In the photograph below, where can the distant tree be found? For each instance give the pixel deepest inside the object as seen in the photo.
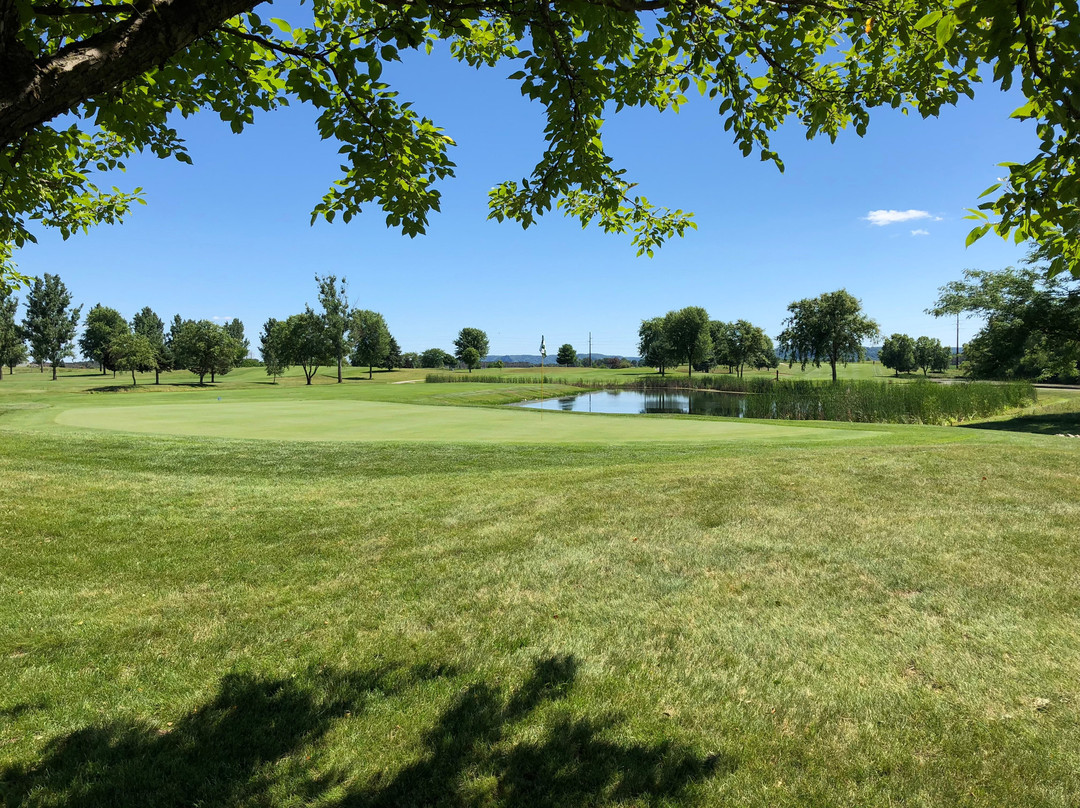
(471, 338)
(653, 345)
(688, 334)
(15, 356)
(829, 328)
(720, 334)
(103, 325)
(450, 362)
(566, 356)
(369, 338)
(305, 342)
(498, 364)
(336, 314)
(9, 329)
(149, 325)
(235, 329)
(270, 347)
(747, 345)
(928, 354)
(898, 354)
(393, 358)
(410, 359)
(50, 323)
(203, 347)
(432, 358)
(132, 352)
(471, 358)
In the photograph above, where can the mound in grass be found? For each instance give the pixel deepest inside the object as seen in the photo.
(376, 421)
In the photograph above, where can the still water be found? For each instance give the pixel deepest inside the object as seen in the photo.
(647, 401)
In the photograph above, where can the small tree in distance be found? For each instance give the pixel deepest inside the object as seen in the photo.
(566, 356)
(471, 357)
(828, 328)
(49, 324)
(370, 339)
(133, 352)
(898, 353)
(270, 346)
(471, 338)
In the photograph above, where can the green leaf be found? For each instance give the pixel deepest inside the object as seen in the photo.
(946, 27)
(928, 20)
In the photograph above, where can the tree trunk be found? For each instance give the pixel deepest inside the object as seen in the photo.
(54, 371)
(370, 367)
(157, 375)
(201, 377)
(133, 382)
(832, 363)
(213, 375)
(339, 370)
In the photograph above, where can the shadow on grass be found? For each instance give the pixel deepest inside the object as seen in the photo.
(249, 743)
(1055, 423)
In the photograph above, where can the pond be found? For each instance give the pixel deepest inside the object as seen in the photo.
(636, 402)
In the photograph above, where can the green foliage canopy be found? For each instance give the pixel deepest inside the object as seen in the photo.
(828, 328)
(370, 339)
(49, 325)
(687, 332)
(103, 325)
(898, 354)
(132, 352)
(471, 338)
(566, 355)
(85, 85)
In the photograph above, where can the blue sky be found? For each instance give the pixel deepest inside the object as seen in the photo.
(229, 236)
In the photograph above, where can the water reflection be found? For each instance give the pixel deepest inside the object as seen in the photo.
(636, 402)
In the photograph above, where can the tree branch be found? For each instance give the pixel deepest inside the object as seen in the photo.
(97, 64)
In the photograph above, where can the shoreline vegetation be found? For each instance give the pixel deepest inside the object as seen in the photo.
(855, 400)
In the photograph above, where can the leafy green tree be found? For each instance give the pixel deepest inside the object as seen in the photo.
(305, 342)
(132, 352)
(471, 358)
(103, 325)
(654, 347)
(149, 325)
(688, 334)
(336, 312)
(746, 344)
(393, 358)
(470, 338)
(270, 347)
(898, 353)
(434, 358)
(410, 359)
(235, 329)
(9, 329)
(828, 328)
(15, 355)
(928, 353)
(822, 64)
(1032, 328)
(720, 335)
(203, 347)
(566, 355)
(50, 323)
(369, 338)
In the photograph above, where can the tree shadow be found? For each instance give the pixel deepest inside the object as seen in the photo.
(1055, 423)
(489, 747)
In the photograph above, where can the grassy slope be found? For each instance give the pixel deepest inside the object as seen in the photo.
(887, 620)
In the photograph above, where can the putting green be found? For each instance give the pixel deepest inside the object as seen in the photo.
(318, 420)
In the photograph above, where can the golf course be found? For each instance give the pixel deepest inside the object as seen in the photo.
(376, 594)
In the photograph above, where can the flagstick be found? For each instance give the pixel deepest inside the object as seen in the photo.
(541, 386)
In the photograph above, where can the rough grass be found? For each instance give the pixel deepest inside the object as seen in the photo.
(888, 620)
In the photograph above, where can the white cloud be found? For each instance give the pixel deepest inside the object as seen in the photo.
(226, 317)
(884, 217)
(920, 232)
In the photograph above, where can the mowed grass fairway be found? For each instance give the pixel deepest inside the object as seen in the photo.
(888, 617)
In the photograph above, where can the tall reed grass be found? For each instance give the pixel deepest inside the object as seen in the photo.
(866, 401)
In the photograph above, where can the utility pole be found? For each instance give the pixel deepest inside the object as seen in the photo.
(590, 349)
(958, 340)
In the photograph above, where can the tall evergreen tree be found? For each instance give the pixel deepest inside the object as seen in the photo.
(50, 323)
(393, 358)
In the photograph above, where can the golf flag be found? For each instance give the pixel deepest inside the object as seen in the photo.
(543, 349)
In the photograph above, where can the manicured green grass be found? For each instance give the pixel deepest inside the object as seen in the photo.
(890, 617)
